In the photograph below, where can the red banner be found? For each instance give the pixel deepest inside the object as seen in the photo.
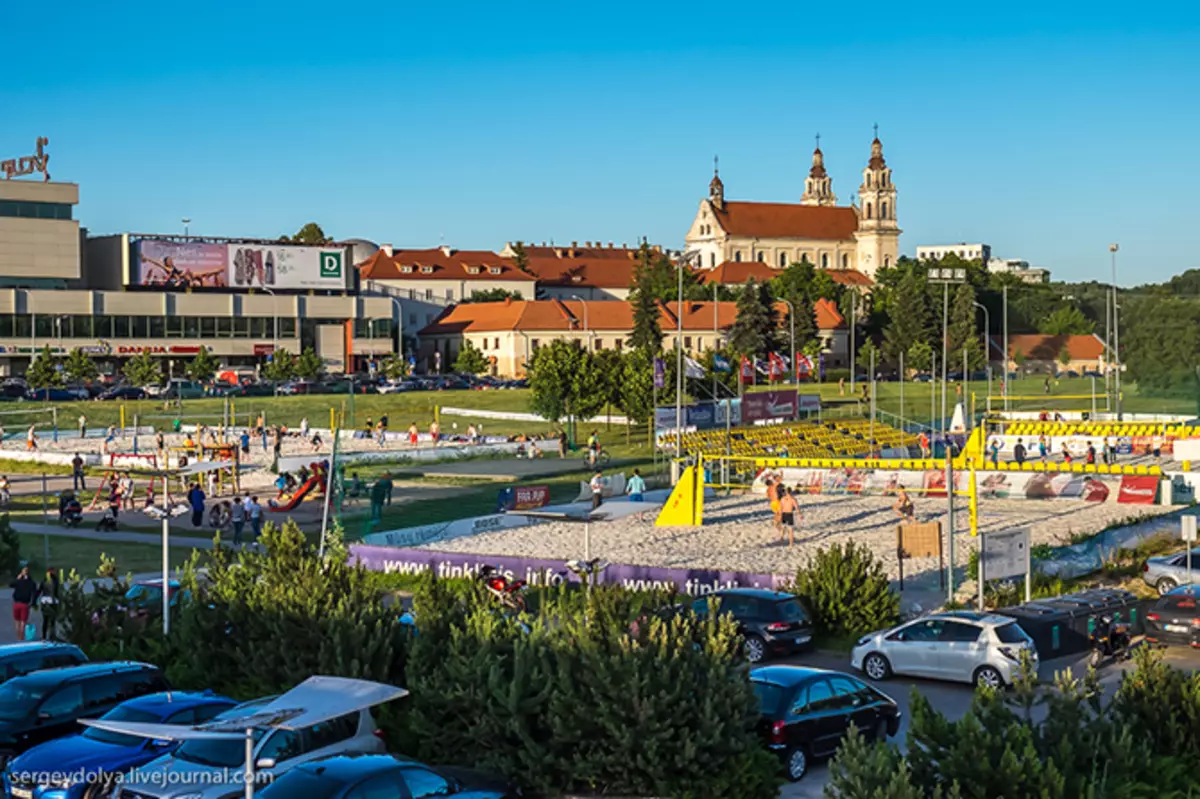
(1138, 490)
(747, 370)
(524, 498)
(804, 367)
(775, 367)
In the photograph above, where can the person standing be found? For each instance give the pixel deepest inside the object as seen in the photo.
(196, 501)
(597, 485)
(277, 441)
(31, 438)
(127, 490)
(435, 431)
(160, 442)
(995, 448)
(1066, 453)
(1043, 448)
(773, 487)
(1019, 452)
(562, 443)
(304, 427)
(788, 508)
(24, 595)
(471, 433)
(82, 426)
(1091, 454)
(379, 493)
(412, 434)
(77, 473)
(636, 486)
(255, 516)
(380, 434)
(237, 517)
(48, 602)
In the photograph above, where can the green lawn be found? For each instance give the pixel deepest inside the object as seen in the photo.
(83, 554)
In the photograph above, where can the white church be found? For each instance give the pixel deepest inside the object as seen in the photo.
(862, 237)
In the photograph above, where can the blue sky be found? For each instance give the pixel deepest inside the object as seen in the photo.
(1046, 130)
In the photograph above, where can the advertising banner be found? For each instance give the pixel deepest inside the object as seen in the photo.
(760, 405)
(810, 403)
(523, 498)
(660, 373)
(536, 571)
(701, 417)
(194, 264)
(1138, 489)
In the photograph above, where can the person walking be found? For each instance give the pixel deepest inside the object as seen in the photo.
(1091, 455)
(379, 494)
(277, 442)
(597, 485)
(380, 434)
(923, 443)
(24, 595)
(82, 426)
(237, 518)
(255, 516)
(31, 438)
(48, 599)
(244, 440)
(636, 486)
(1066, 453)
(1043, 448)
(127, 490)
(77, 473)
(435, 431)
(1019, 452)
(995, 450)
(562, 443)
(196, 499)
(412, 434)
(773, 487)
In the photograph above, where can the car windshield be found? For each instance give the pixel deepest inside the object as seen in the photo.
(792, 610)
(1011, 634)
(216, 752)
(19, 697)
(301, 782)
(770, 697)
(120, 738)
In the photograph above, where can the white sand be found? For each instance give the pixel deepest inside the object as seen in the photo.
(738, 532)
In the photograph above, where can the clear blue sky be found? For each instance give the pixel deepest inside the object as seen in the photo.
(1046, 131)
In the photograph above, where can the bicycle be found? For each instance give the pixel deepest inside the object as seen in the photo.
(601, 459)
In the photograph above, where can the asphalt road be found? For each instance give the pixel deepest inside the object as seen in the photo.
(953, 700)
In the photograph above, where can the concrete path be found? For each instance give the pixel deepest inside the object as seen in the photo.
(153, 539)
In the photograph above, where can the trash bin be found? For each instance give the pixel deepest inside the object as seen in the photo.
(1050, 628)
(1063, 625)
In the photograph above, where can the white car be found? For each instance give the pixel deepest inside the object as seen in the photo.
(962, 646)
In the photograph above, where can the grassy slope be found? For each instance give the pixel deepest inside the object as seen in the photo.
(83, 554)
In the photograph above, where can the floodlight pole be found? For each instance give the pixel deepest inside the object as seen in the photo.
(166, 562)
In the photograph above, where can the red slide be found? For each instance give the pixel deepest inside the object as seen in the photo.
(312, 482)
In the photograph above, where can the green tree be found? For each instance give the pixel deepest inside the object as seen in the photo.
(865, 352)
(919, 357)
(470, 361)
(1064, 356)
(492, 295)
(610, 367)
(311, 233)
(847, 591)
(637, 389)
(43, 372)
(564, 383)
(309, 366)
(908, 319)
(78, 367)
(806, 323)
(753, 331)
(203, 366)
(281, 368)
(394, 367)
(1066, 320)
(963, 333)
(647, 325)
(141, 370)
(520, 259)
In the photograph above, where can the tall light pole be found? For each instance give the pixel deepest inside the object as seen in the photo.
(187, 220)
(792, 324)
(1116, 328)
(946, 276)
(1004, 379)
(987, 347)
(275, 339)
(586, 336)
(683, 262)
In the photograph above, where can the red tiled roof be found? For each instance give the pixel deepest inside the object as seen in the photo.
(438, 264)
(788, 220)
(731, 273)
(1040, 347)
(591, 271)
(850, 277)
(828, 315)
(607, 253)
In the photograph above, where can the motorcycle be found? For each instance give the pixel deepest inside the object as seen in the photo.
(72, 514)
(1110, 639)
(508, 592)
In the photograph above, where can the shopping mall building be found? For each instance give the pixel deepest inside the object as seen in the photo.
(120, 295)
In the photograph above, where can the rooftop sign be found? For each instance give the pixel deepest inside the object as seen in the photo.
(28, 164)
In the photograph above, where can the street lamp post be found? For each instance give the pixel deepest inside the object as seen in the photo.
(683, 262)
(792, 325)
(275, 337)
(946, 276)
(1116, 329)
(186, 221)
(987, 346)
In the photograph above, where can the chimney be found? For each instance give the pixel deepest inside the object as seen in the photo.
(574, 244)
(446, 250)
(610, 245)
(387, 249)
(520, 244)
(624, 246)
(587, 244)
(508, 300)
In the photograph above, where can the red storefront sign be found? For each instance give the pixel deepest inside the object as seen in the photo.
(1138, 489)
(179, 349)
(264, 349)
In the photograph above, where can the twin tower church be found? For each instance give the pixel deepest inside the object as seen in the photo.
(862, 237)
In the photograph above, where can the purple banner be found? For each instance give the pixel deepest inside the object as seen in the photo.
(694, 582)
(758, 405)
(660, 373)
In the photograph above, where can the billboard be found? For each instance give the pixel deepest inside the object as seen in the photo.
(198, 264)
(759, 405)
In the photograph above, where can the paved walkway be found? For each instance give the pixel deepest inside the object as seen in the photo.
(154, 539)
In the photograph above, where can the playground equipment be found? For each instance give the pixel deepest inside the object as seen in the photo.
(228, 456)
(314, 483)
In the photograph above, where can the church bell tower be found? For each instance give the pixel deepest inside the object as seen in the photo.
(878, 235)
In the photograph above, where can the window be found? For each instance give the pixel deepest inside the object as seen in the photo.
(712, 259)
(883, 210)
(820, 697)
(536, 343)
(921, 632)
(599, 343)
(427, 270)
(782, 260)
(406, 269)
(758, 256)
(450, 295)
(191, 326)
(183, 717)
(868, 210)
(429, 294)
(824, 260)
(495, 270)
(887, 260)
(958, 632)
(1012, 634)
(282, 745)
(845, 261)
(121, 327)
(484, 347)
(618, 344)
(329, 733)
(687, 342)
(422, 783)
(287, 328)
(496, 343)
(25, 210)
(99, 694)
(846, 690)
(412, 320)
(65, 701)
(737, 256)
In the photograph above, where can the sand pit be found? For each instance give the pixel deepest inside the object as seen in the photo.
(738, 532)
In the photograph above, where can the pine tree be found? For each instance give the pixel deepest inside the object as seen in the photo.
(142, 370)
(751, 334)
(43, 372)
(963, 334)
(908, 318)
(806, 322)
(203, 366)
(647, 332)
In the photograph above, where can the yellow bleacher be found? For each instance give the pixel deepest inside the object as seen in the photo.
(840, 438)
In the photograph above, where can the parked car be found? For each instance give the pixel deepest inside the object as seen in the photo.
(182, 389)
(154, 390)
(15, 391)
(79, 766)
(1166, 572)
(297, 387)
(31, 656)
(123, 393)
(202, 764)
(50, 395)
(772, 622)
(47, 704)
(1175, 618)
(396, 387)
(922, 377)
(807, 712)
(961, 646)
(350, 776)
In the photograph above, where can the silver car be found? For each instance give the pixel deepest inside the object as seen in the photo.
(961, 646)
(213, 768)
(1166, 572)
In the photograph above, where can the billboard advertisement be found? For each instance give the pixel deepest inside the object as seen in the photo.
(759, 405)
(198, 264)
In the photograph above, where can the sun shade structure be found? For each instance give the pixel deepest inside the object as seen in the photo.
(313, 701)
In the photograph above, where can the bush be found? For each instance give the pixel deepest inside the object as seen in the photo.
(10, 549)
(847, 591)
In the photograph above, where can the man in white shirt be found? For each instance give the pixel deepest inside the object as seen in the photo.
(597, 489)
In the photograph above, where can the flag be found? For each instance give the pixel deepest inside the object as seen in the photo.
(720, 364)
(660, 373)
(692, 369)
(775, 366)
(760, 367)
(747, 370)
(804, 367)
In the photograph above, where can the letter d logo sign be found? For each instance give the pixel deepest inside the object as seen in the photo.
(331, 265)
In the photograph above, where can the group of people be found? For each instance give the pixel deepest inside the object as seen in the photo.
(236, 513)
(28, 593)
(1108, 451)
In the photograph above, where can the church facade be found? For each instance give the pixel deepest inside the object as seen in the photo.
(862, 236)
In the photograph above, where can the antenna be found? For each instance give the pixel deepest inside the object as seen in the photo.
(877, 130)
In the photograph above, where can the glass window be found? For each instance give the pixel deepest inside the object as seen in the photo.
(329, 733)
(208, 712)
(619, 343)
(140, 326)
(44, 325)
(737, 256)
(782, 260)
(182, 717)
(174, 327)
(259, 327)
(412, 320)
(770, 696)
(958, 632)
(923, 631)
(287, 328)
(845, 686)
(224, 326)
(381, 328)
(819, 697)
(121, 327)
(429, 294)
(790, 610)
(99, 694)
(208, 327)
(484, 347)
(535, 343)
(191, 327)
(450, 295)
(282, 745)
(241, 327)
(1012, 634)
(65, 701)
(599, 343)
(21, 326)
(422, 783)
(8, 324)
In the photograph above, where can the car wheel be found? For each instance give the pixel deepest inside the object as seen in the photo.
(877, 667)
(986, 675)
(795, 763)
(756, 649)
(1165, 586)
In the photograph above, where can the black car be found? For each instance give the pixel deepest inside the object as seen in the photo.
(807, 712)
(351, 776)
(47, 704)
(29, 656)
(1175, 618)
(772, 622)
(123, 393)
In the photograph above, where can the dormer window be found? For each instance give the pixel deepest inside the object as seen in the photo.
(576, 278)
(473, 270)
(406, 269)
(495, 270)
(427, 270)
